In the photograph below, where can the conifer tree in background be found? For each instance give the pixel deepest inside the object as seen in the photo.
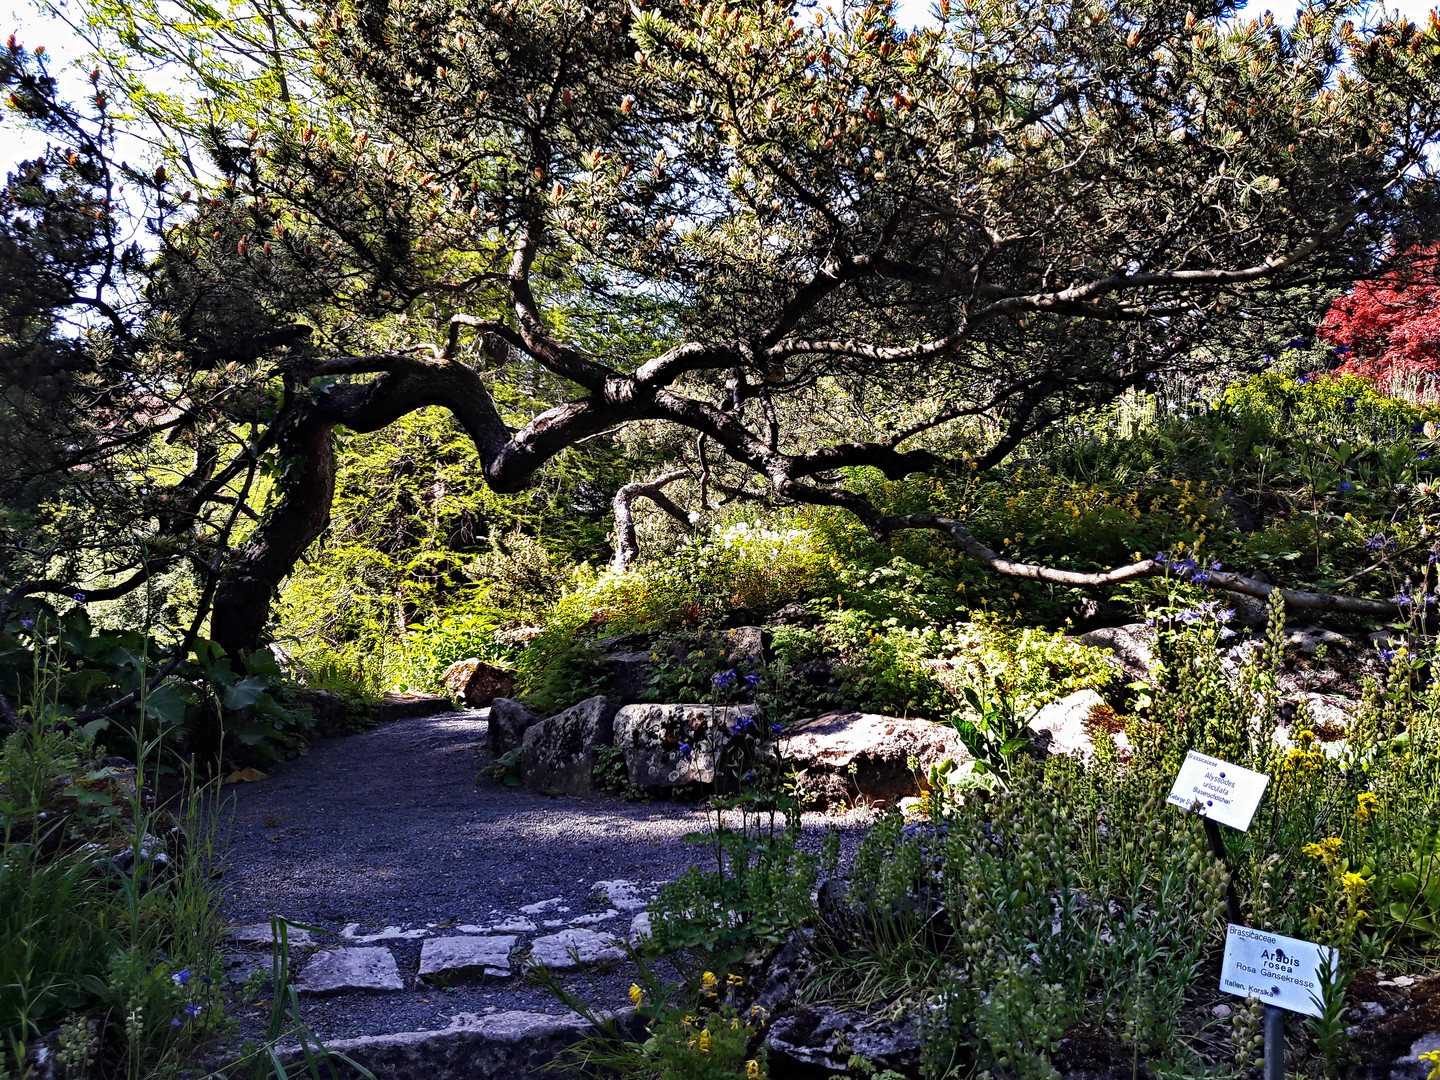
(721, 218)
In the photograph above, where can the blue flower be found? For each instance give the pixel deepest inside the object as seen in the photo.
(28, 624)
(1226, 633)
(192, 1010)
(1376, 542)
(181, 977)
(685, 749)
(1423, 456)
(1387, 655)
(179, 1021)
(742, 725)
(777, 729)
(1200, 578)
(1226, 614)
(1184, 565)
(1215, 565)
(1417, 429)
(1268, 358)
(1162, 558)
(752, 680)
(1296, 343)
(80, 596)
(1349, 404)
(1301, 380)
(1403, 599)
(1342, 349)
(724, 678)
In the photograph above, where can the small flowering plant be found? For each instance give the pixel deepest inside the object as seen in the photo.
(715, 1042)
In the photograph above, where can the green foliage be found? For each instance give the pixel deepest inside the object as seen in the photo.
(109, 918)
(758, 892)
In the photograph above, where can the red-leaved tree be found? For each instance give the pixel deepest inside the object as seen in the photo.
(1390, 326)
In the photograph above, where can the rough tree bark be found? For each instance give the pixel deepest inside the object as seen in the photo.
(627, 546)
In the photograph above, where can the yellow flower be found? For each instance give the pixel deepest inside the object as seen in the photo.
(752, 1070)
(1355, 886)
(1325, 850)
(1432, 1058)
(1367, 805)
(759, 1012)
(734, 1023)
(636, 994)
(707, 983)
(734, 980)
(705, 1041)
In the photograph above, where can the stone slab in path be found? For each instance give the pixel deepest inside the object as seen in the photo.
(447, 957)
(576, 948)
(337, 971)
(264, 934)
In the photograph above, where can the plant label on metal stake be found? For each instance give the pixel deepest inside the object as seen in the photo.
(1278, 970)
(1223, 792)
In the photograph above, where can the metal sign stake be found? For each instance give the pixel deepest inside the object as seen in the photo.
(1274, 1043)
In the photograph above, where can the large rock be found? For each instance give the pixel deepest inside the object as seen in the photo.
(824, 1039)
(744, 644)
(629, 676)
(477, 683)
(1133, 645)
(509, 720)
(673, 745)
(1069, 726)
(843, 756)
(557, 756)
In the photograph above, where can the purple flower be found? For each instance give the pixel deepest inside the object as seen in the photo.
(1376, 542)
(776, 729)
(1301, 380)
(1215, 565)
(192, 1010)
(80, 597)
(685, 749)
(752, 680)
(1403, 599)
(28, 624)
(181, 977)
(1226, 633)
(742, 725)
(179, 1021)
(1387, 655)
(1423, 456)
(1162, 558)
(1346, 485)
(1200, 578)
(724, 678)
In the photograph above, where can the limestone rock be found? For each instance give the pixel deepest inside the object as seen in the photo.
(558, 755)
(262, 934)
(1409, 1066)
(336, 971)
(629, 676)
(824, 1039)
(576, 948)
(673, 745)
(743, 644)
(1064, 726)
(509, 720)
(1133, 645)
(1308, 639)
(477, 683)
(621, 894)
(408, 706)
(844, 755)
(442, 958)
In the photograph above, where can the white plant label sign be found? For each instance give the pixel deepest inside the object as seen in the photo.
(1226, 793)
(1279, 970)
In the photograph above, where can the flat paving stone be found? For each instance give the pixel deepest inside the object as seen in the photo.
(337, 971)
(264, 934)
(466, 956)
(576, 948)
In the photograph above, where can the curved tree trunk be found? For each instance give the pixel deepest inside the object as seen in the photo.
(300, 514)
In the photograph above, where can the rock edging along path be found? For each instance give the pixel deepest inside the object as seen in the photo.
(386, 841)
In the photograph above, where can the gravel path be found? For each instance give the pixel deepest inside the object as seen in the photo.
(389, 828)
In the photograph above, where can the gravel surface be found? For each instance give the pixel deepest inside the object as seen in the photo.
(389, 828)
